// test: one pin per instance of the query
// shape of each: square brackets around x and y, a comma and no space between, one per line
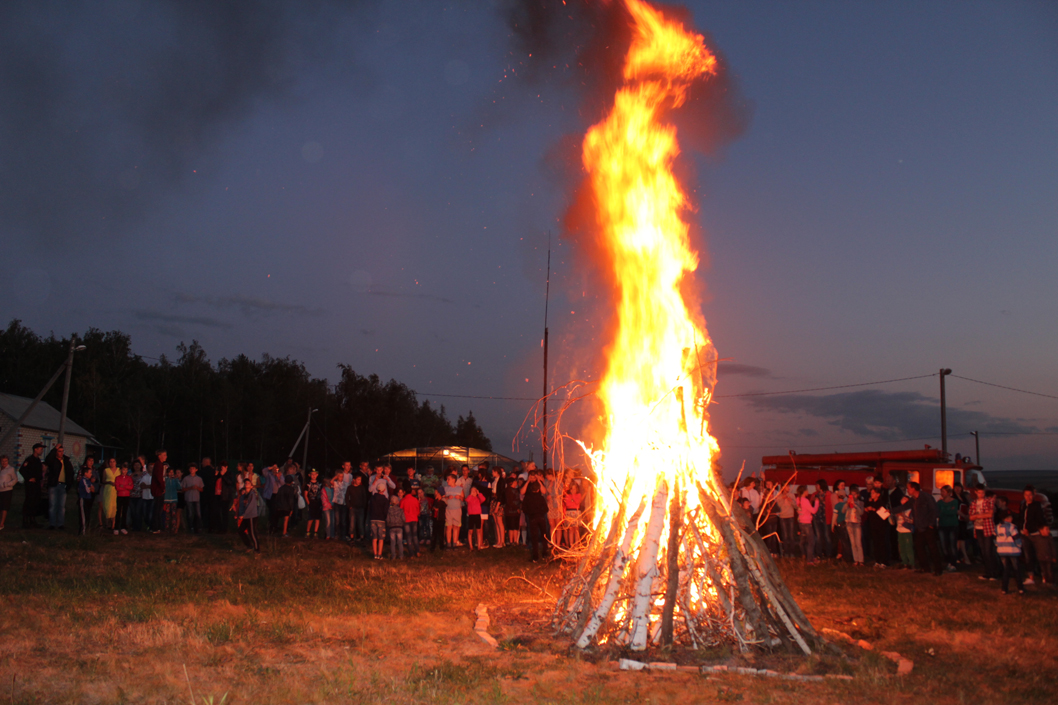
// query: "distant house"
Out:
[42,426]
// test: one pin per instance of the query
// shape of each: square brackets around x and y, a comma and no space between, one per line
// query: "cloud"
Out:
[106,107]
[171,319]
[247,305]
[733,369]
[888,415]
[399,295]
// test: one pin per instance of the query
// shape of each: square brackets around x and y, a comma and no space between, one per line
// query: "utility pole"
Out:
[944,372]
[305,454]
[547,296]
[977,447]
[74,347]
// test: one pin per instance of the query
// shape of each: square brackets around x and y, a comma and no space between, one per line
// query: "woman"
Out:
[571,498]
[854,524]
[453,496]
[788,521]
[496,488]
[948,524]
[878,525]
[807,509]
[123,488]
[314,502]
[108,498]
[8,480]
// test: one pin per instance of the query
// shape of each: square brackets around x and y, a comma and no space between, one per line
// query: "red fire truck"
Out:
[929,467]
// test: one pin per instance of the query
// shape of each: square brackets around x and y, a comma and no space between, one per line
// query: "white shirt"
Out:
[145,483]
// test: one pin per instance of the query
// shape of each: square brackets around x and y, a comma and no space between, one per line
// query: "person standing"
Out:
[8,480]
[123,485]
[158,491]
[246,516]
[342,481]
[85,494]
[356,503]
[948,525]
[788,521]
[807,510]
[1033,524]
[453,496]
[982,514]
[877,515]
[534,504]
[146,497]
[223,498]
[378,508]
[108,497]
[136,497]
[395,527]
[32,471]
[1008,548]
[208,474]
[193,486]
[60,472]
[854,524]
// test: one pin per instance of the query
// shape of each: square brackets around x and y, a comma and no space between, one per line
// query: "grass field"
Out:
[118,619]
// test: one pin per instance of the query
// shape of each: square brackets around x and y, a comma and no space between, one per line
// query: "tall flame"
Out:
[659,375]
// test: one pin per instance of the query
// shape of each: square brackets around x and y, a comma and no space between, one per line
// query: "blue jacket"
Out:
[1008,543]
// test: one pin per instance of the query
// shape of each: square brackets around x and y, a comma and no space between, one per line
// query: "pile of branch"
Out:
[712,582]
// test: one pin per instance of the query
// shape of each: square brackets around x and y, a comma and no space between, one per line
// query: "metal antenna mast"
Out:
[547,296]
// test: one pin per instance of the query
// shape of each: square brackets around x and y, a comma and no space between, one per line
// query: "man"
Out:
[207,472]
[982,515]
[534,504]
[341,510]
[193,487]
[223,495]
[924,519]
[60,471]
[1032,522]
[158,490]
[356,499]
[273,480]
[246,517]
[32,471]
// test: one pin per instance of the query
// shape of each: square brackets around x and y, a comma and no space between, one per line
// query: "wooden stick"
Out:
[620,560]
[673,568]
[647,568]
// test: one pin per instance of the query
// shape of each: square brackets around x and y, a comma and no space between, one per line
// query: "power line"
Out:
[1012,389]
[472,396]
[821,389]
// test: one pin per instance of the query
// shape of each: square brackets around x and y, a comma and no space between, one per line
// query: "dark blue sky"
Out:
[335,183]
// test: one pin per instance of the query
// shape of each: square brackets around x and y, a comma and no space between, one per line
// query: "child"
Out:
[395,525]
[85,495]
[409,503]
[474,500]
[314,502]
[1008,547]
[172,492]
[378,510]
[246,516]
[123,485]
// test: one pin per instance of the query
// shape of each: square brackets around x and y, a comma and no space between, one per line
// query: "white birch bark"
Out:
[647,568]
[620,560]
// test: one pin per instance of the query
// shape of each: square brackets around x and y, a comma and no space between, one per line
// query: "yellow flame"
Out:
[655,388]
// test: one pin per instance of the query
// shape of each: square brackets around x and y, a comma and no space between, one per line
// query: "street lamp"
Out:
[66,386]
[944,372]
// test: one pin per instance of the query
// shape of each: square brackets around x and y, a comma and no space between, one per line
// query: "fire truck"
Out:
[929,467]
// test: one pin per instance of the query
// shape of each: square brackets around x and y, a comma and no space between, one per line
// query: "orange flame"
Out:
[655,389]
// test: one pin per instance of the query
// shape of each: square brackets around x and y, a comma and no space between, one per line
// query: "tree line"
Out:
[235,409]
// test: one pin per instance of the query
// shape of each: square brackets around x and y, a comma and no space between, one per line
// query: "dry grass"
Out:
[108,619]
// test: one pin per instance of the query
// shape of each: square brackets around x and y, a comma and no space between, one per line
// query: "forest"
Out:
[236,409]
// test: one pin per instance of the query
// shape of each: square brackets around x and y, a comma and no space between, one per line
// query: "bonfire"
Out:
[670,559]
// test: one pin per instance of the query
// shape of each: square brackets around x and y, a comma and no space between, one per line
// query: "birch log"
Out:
[620,560]
[647,569]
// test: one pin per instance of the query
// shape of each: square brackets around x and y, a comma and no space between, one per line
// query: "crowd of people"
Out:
[489,507]
[883,524]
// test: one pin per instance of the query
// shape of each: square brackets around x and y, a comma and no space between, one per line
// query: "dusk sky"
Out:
[335,182]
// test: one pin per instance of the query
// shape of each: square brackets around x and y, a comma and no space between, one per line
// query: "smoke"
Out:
[105,107]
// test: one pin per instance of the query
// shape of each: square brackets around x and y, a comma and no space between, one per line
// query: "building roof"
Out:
[45,417]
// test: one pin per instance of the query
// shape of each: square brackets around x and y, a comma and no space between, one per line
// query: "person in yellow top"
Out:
[108,496]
